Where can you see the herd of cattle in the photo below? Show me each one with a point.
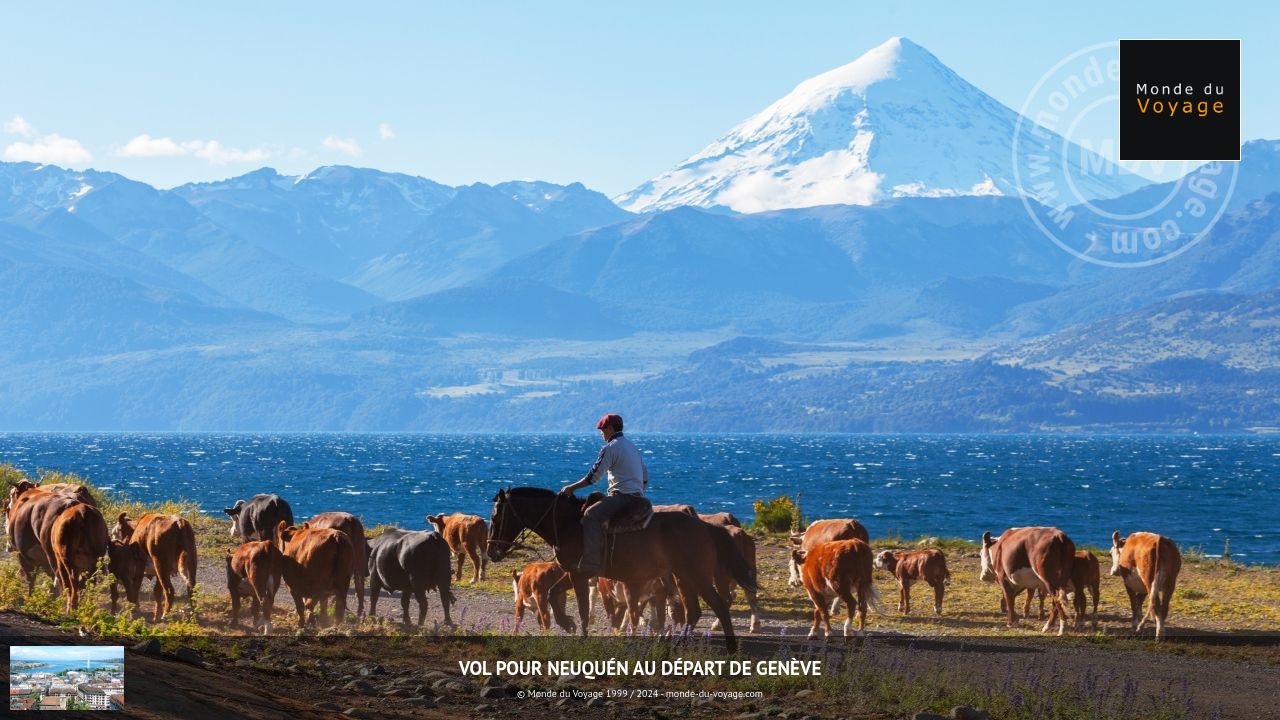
(59, 529)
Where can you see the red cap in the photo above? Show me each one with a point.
(612, 420)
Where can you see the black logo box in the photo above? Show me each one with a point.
(1185, 68)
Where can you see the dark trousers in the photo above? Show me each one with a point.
(593, 524)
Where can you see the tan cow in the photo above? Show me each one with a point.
(254, 570)
(351, 525)
(820, 531)
(316, 565)
(77, 541)
(1030, 557)
(911, 567)
(542, 587)
(837, 570)
(466, 536)
(1149, 565)
(169, 544)
(723, 519)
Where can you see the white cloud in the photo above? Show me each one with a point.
(19, 126)
(146, 146)
(211, 151)
(346, 146)
(385, 132)
(52, 148)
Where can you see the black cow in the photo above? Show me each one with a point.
(411, 563)
(257, 518)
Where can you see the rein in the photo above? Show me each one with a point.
(517, 541)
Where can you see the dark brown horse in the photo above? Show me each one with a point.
(673, 542)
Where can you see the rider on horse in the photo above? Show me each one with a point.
(628, 479)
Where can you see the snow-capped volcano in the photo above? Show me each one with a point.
(895, 122)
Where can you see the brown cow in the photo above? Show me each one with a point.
(29, 525)
(724, 581)
(25, 491)
(169, 543)
(820, 531)
(685, 508)
(1084, 577)
(316, 564)
(1030, 557)
(77, 541)
(837, 570)
(723, 519)
(254, 571)
(542, 587)
(1149, 564)
(466, 535)
(351, 525)
(910, 567)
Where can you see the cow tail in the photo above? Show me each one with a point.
(1157, 587)
(873, 599)
(730, 557)
(187, 553)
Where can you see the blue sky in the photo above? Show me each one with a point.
(606, 94)
(65, 653)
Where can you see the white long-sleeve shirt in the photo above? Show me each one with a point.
(622, 461)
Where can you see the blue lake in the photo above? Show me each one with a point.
(1199, 490)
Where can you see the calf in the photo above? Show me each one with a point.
(837, 570)
(542, 587)
(258, 518)
(624, 603)
(77, 540)
(351, 525)
(169, 544)
(316, 565)
(1149, 564)
(677, 507)
(254, 570)
(127, 564)
(466, 535)
(1030, 557)
(911, 567)
(410, 563)
(820, 531)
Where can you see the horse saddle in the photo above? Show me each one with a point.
(635, 517)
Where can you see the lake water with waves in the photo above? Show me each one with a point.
(1198, 490)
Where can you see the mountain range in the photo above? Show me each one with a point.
(885, 278)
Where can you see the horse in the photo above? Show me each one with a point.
(672, 542)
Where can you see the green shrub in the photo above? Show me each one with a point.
(779, 515)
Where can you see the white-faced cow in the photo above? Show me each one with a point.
(466, 535)
(258, 518)
(820, 531)
(1030, 557)
(1149, 564)
(838, 570)
(911, 567)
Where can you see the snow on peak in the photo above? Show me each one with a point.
(895, 122)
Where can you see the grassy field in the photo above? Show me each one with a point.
(1218, 612)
